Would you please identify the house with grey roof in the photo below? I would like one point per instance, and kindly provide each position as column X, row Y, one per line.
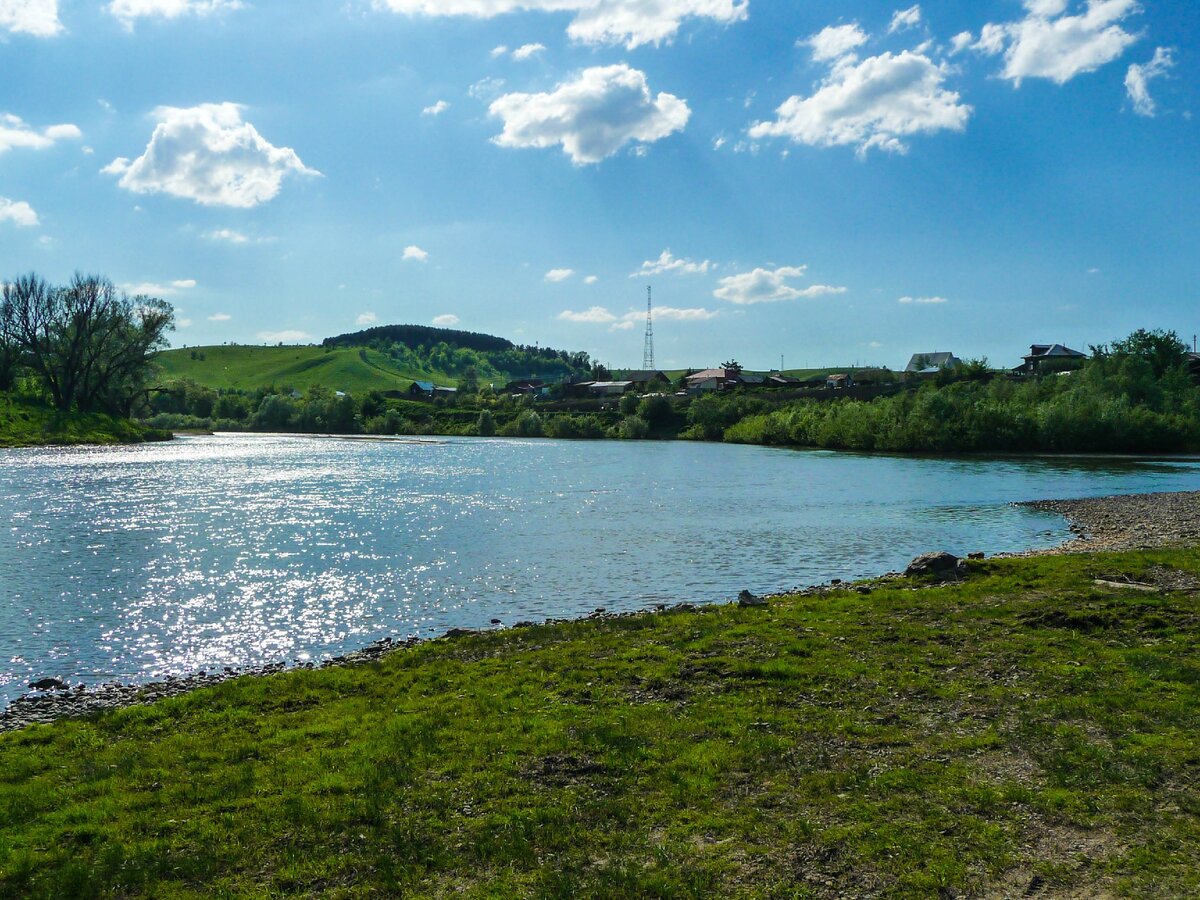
column 931, row 363
column 1050, row 358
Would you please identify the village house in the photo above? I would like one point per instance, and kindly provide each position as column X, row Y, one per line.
column 610, row 388
column 839, row 381
column 647, row 380
column 526, row 386
column 1050, row 358
column 712, row 380
column 1193, row 364
column 427, row 390
column 931, row 363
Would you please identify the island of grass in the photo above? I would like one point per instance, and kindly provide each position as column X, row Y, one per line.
column 29, row 423
column 1026, row 730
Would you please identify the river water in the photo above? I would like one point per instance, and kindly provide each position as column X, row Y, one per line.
column 233, row 550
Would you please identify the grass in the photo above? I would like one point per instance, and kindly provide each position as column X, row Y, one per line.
column 354, row 370
column 1024, row 732
column 24, row 423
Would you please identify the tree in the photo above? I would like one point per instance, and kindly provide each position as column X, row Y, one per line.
column 90, row 344
column 732, row 366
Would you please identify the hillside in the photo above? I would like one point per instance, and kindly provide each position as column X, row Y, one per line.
column 25, row 423
column 354, row 370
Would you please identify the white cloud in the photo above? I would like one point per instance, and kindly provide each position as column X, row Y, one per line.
column 487, row 89
column 557, row 275
column 220, row 317
column 413, row 252
column 769, row 286
column 527, row 50
column 874, row 103
column 666, row 262
column 14, row 133
column 925, row 301
column 591, row 279
column 961, row 42
column 835, row 42
column 1138, row 78
column 592, row 117
column 36, row 17
column 499, row 51
column 128, row 11
column 228, row 235
column 446, row 320
column 290, row 336
column 597, row 315
column 1049, row 43
column 632, row 22
column 675, row 314
column 155, row 289
column 367, row 318
column 183, row 323
column 18, row 212
column 436, row 109
column 208, row 154
column 904, row 19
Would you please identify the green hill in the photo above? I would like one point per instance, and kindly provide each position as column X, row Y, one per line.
column 350, row 369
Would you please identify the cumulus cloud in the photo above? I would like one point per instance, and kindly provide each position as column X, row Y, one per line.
column 924, row 301
column 36, row 17
column 288, row 336
column 220, row 317
column 1138, row 78
column 1050, row 43
column 769, row 286
column 592, row 117
column 632, row 22
column 366, row 318
column 525, row 51
column 155, row 289
column 961, row 42
column 557, row 275
column 446, row 320
column 591, row 279
column 835, row 42
column 903, row 19
column 18, row 212
column 676, row 314
column 878, row 102
column 666, row 262
column 487, row 89
column 597, row 315
column 15, row 133
column 436, row 109
column 415, row 253
column 129, row 11
column 208, row 154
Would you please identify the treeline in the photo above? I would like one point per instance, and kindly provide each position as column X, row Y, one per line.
column 414, row 335
column 1134, row 396
column 84, row 346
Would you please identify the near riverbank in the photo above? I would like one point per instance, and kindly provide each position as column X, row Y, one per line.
column 27, row 424
column 1025, row 731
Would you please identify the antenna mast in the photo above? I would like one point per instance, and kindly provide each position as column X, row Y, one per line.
column 648, row 352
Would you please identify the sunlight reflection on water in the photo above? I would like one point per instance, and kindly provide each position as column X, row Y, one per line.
column 133, row 563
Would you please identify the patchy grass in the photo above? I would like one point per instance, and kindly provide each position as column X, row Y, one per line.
column 27, row 424
column 1022, row 733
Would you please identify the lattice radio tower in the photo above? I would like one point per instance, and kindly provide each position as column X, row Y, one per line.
column 648, row 352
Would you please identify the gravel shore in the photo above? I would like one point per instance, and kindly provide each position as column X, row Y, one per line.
column 1127, row 522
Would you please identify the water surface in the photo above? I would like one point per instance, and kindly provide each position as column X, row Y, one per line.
column 134, row 563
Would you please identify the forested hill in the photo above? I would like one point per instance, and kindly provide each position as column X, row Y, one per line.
column 418, row 335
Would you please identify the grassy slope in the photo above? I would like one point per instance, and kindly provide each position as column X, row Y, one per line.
column 1025, row 730
column 343, row 369
column 24, row 424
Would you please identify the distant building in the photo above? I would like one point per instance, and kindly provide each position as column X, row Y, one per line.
column 534, row 386
column 646, row 379
column 711, row 380
column 931, row 363
column 839, row 381
column 1193, row 364
column 427, row 390
column 778, row 380
column 1050, row 358
column 610, row 388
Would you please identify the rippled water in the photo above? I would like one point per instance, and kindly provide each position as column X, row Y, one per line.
column 132, row 563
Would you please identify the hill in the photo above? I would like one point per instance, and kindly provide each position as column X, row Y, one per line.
column 350, row 369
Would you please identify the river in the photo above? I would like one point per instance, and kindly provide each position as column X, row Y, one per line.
column 132, row 563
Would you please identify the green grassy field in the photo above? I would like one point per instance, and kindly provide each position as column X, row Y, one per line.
column 27, row 424
column 352, row 370
column 1023, row 733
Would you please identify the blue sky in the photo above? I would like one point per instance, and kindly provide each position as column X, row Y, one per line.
column 835, row 183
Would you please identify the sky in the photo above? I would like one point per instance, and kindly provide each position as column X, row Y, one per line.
column 826, row 183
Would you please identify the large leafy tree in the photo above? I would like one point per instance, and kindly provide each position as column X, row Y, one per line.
column 89, row 343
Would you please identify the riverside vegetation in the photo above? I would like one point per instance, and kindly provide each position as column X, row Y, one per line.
column 1028, row 730
column 1134, row 395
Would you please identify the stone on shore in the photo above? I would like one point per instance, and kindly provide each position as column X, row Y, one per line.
column 940, row 564
column 745, row 598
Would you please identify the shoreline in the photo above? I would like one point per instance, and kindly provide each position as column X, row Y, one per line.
column 1116, row 523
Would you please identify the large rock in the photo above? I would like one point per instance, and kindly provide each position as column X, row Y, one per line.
column 49, row 684
column 745, row 598
column 940, row 564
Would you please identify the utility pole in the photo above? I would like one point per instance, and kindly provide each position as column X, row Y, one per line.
column 648, row 350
